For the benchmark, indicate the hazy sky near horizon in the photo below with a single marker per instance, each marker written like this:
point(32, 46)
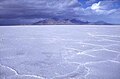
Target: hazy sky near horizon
point(87, 10)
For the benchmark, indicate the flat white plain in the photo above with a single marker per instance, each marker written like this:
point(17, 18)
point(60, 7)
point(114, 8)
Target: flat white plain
point(60, 52)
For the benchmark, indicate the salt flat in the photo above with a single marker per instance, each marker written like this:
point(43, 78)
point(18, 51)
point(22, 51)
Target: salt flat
point(60, 52)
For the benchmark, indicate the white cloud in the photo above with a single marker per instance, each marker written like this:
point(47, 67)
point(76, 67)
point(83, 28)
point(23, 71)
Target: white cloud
point(96, 6)
point(102, 7)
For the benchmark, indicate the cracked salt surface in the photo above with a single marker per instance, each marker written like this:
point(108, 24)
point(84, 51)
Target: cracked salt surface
point(60, 52)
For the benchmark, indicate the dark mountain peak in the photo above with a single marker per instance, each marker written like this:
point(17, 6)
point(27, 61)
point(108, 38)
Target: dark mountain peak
point(76, 21)
point(60, 21)
point(53, 21)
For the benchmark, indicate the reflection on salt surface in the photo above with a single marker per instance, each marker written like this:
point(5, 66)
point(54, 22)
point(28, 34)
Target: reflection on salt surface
point(60, 52)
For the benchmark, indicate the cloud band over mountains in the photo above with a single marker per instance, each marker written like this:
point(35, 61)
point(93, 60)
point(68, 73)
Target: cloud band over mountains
point(89, 10)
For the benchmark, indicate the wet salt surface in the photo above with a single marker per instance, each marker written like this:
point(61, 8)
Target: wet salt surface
point(60, 52)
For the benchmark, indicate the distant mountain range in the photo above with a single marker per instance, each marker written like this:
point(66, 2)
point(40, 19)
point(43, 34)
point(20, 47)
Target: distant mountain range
point(101, 23)
point(55, 21)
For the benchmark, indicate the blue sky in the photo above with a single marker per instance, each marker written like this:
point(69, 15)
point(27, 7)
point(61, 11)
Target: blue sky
point(87, 10)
